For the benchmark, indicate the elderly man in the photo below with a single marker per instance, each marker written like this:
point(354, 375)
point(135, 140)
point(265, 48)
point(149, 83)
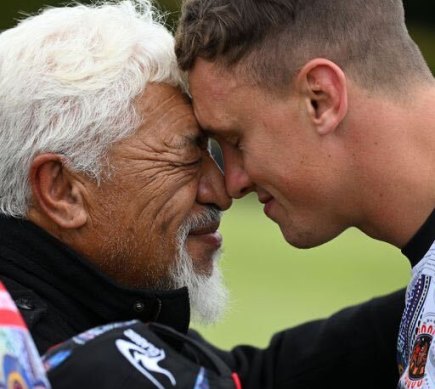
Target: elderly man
point(102, 159)
point(325, 109)
point(111, 202)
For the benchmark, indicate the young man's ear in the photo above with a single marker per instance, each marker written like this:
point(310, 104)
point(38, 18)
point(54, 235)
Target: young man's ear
point(324, 89)
point(57, 195)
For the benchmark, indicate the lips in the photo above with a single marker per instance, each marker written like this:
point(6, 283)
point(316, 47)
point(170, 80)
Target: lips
point(207, 235)
point(264, 199)
point(267, 208)
point(210, 228)
point(268, 200)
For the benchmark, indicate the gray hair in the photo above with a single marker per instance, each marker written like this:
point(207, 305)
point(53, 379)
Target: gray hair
point(68, 82)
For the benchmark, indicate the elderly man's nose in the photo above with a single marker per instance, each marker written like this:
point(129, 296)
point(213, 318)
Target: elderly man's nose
point(211, 188)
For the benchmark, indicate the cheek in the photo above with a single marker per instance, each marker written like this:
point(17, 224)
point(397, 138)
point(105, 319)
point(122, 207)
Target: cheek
point(265, 168)
point(162, 193)
point(305, 187)
point(287, 181)
point(172, 209)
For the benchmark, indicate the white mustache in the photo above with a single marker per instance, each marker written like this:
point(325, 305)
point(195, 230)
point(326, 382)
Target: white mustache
point(210, 215)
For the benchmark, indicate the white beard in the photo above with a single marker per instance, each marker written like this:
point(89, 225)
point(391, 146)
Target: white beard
point(207, 293)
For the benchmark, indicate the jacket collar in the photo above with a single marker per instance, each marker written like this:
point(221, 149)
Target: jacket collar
point(421, 242)
point(42, 263)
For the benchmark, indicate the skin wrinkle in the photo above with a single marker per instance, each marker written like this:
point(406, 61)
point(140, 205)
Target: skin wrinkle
point(159, 161)
point(174, 151)
point(162, 112)
point(154, 187)
point(157, 153)
point(159, 176)
point(164, 172)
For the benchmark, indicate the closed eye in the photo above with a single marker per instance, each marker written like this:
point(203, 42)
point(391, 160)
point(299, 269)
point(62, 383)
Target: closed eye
point(187, 165)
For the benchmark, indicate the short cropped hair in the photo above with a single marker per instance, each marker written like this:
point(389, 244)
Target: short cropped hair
point(270, 40)
point(69, 78)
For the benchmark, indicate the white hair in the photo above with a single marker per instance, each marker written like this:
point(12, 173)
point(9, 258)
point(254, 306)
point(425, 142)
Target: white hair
point(68, 81)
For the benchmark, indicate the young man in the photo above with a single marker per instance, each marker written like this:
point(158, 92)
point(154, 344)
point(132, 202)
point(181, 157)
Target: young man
point(325, 109)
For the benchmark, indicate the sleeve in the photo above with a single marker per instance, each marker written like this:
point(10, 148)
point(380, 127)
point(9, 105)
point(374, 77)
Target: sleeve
point(355, 348)
point(416, 346)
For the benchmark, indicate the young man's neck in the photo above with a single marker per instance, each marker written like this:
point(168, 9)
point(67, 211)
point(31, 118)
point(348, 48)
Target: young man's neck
point(393, 144)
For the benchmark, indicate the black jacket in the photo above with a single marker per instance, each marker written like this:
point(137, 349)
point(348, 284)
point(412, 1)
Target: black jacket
point(59, 295)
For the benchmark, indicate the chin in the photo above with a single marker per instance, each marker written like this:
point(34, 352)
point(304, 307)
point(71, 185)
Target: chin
point(206, 263)
point(306, 239)
point(207, 292)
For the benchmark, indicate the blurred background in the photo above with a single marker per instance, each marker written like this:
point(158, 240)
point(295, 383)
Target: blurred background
point(274, 286)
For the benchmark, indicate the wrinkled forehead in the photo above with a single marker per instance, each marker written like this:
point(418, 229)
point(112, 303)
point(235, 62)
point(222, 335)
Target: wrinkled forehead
point(165, 109)
point(167, 127)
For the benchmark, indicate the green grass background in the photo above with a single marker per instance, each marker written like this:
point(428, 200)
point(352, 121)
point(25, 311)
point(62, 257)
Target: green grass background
point(274, 286)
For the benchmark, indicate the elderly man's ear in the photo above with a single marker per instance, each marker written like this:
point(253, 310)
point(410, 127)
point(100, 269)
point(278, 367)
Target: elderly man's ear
point(57, 193)
point(323, 87)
